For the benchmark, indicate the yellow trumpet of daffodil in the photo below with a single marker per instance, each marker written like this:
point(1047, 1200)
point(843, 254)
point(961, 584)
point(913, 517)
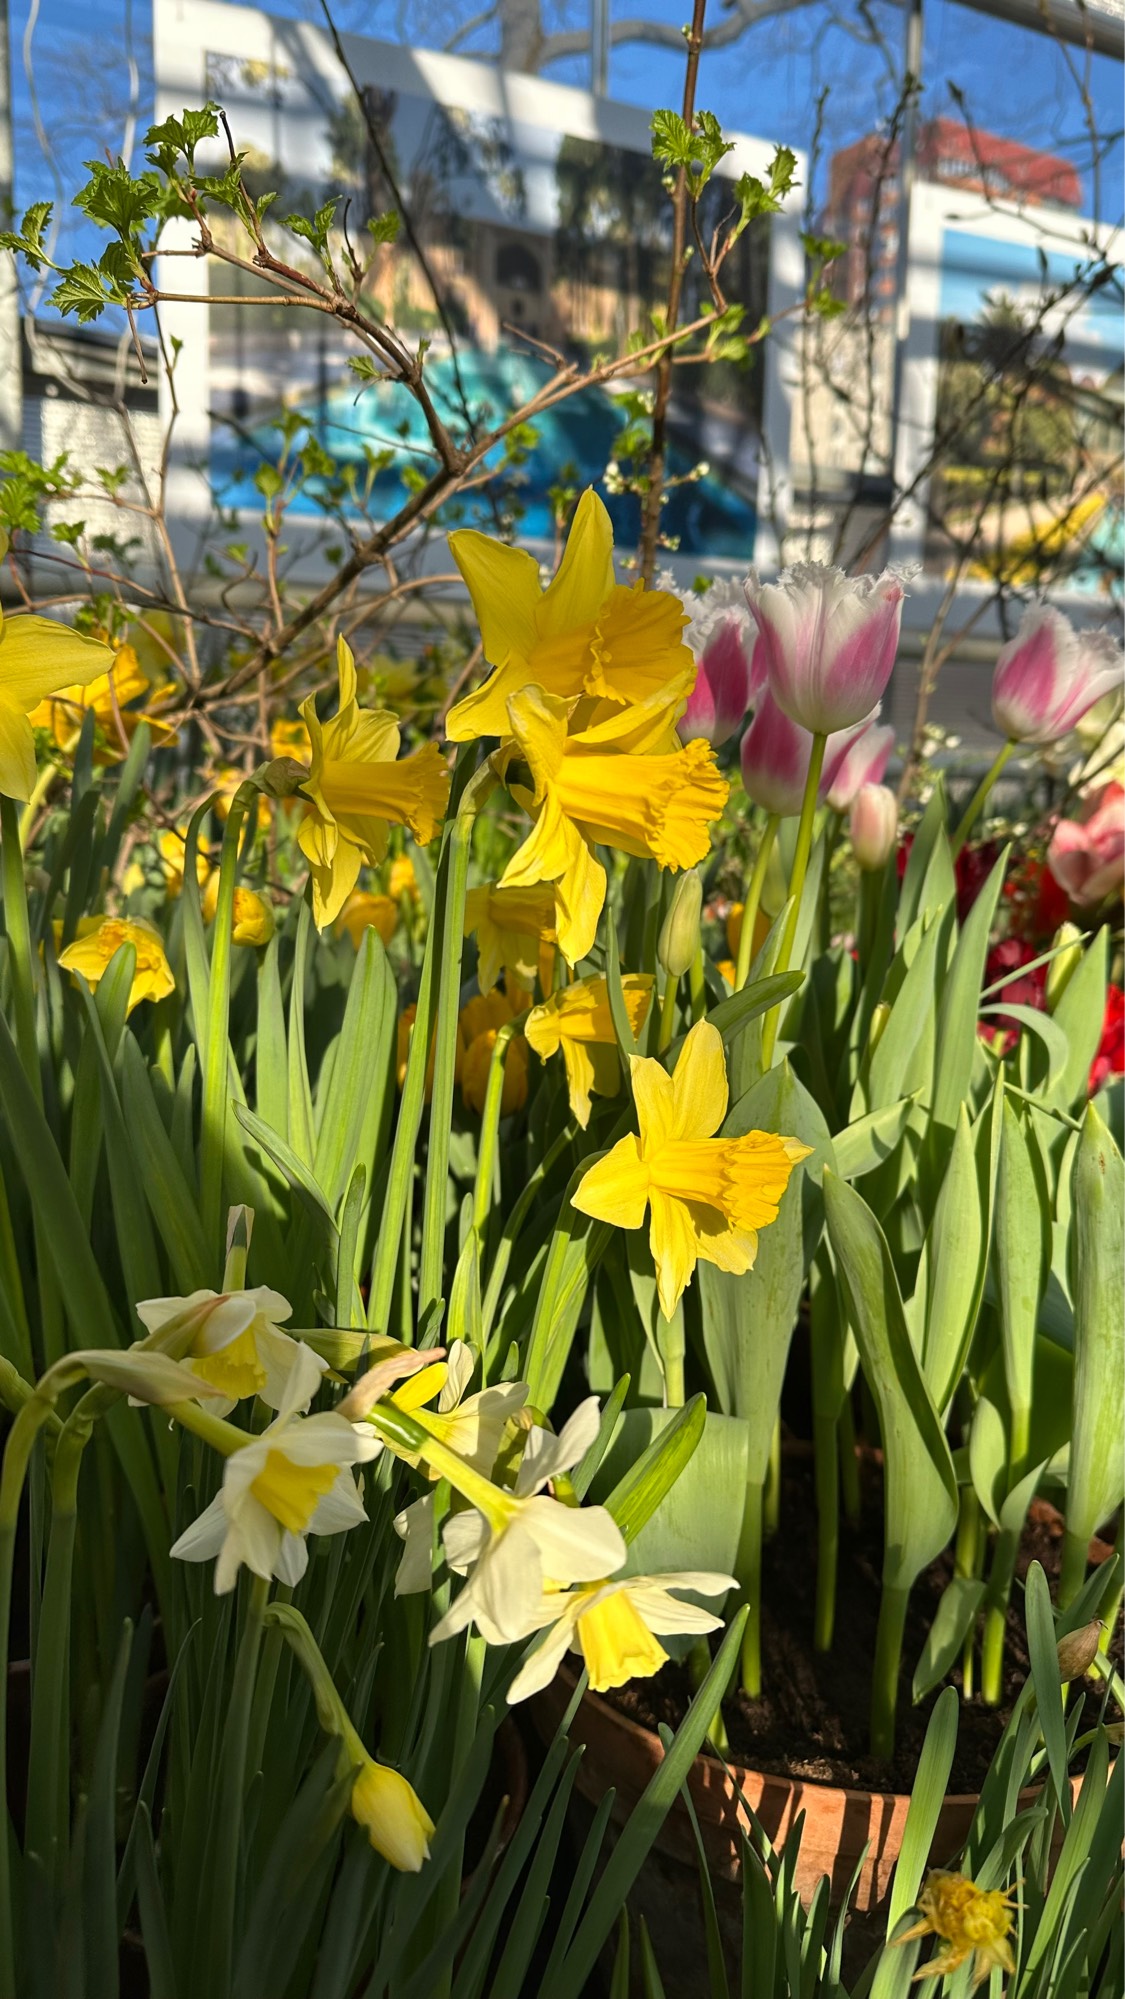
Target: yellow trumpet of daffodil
point(578, 1020)
point(624, 782)
point(109, 696)
point(253, 918)
point(515, 933)
point(97, 942)
point(364, 911)
point(614, 1626)
point(708, 1196)
point(359, 787)
point(38, 656)
point(584, 634)
point(973, 1924)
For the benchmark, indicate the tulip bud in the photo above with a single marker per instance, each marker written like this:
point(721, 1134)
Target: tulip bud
point(828, 642)
point(1049, 675)
point(873, 825)
point(723, 639)
point(865, 763)
point(775, 758)
point(679, 933)
point(1078, 1650)
point(1068, 947)
point(879, 1019)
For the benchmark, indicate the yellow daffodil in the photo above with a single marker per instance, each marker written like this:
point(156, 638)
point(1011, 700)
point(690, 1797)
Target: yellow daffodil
point(708, 1196)
point(110, 696)
point(224, 780)
point(578, 1020)
point(583, 635)
point(624, 783)
point(402, 879)
point(292, 1480)
point(359, 787)
point(614, 1626)
point(728, 970)
point(38, 656)
point(392, 1814)
point(253, 918)
point(172, 851)
point(236, 1342)
point(973, 1923)
point(478, 1024)
point(289, 737)
point(515, 933)
point(97, 942)
point(363, 911)
point(734, 931)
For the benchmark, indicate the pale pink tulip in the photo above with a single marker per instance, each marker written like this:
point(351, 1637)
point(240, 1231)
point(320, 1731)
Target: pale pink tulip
point(828, 641)
point(723, 637)
point(775, 758)
point(1087, 855)
point(1049, 675)
point(864, 764)
point(873, 825)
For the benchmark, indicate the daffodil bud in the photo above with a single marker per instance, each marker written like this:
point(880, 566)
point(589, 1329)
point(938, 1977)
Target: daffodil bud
point(679, 932)
point(1078, 1650)
point(282, 777)
point(394, 1817)
point(1061, 970)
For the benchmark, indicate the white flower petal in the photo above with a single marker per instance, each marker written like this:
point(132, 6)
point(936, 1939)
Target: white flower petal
point(539, 1669)
point(205, 1536)
point(460, 1362)
point(415, 1526)
point(545, 1456)
point(577, 1544)
point(464, 1537)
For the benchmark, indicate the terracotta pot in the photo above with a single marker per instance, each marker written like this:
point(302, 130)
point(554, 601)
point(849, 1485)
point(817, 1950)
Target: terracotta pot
point(838, 1824)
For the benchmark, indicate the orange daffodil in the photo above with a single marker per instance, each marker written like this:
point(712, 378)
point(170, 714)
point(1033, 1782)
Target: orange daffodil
point(708, 1196)
point(359, 787)
point(37, 657)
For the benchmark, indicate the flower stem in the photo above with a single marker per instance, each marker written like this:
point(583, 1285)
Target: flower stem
point(748, 1568)
point(884, 1679)
point(667, 1014)
point(849, 1464)
point(965, 1563)
point(17, 928)
point(973, 809)
point(1072, 1572)
point(771, 1518)
point(996, 1614)
point(754, 901)
point(826, 1466)
point(490, 1129)
point(801, 854)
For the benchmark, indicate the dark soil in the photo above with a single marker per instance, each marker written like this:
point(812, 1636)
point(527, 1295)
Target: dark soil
point(812, 1719)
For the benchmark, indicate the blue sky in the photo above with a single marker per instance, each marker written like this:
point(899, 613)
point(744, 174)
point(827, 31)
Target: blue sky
point(1013, 81)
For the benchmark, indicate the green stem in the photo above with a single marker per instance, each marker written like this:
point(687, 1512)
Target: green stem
point(230, 1796)
point(973, 809)
point(217, 1051)
point(21, 964)
point(514, 1224)
point(670, 1343)
point(667, 1015)
point(996, 1616)
point(849, 1465)
point(826, 1465)
point(436, 1189)
point(17, 1454)
point(490, 1129)
point(966, 1557)
point(772, 1514)
point(885, 1672)
point(754, 901)
point(748, 1568)
point(1072, 1573)
point(801, 853)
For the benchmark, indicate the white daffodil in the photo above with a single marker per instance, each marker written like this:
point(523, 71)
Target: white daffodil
point(471, 1425)
point(513, 1541)
point(237, 1344)
point(291, 1481)
point(613, 1625)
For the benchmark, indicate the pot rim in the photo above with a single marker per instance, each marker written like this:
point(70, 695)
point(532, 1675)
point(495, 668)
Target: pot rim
point(721, 1769)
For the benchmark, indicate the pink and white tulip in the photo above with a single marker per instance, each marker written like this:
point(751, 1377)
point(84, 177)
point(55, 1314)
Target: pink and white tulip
point(1087, 855)
point(775, 759)
point(873, 825)
point(828, 641)
point(1049, 675)
point(723, 637)
point(865, 763)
